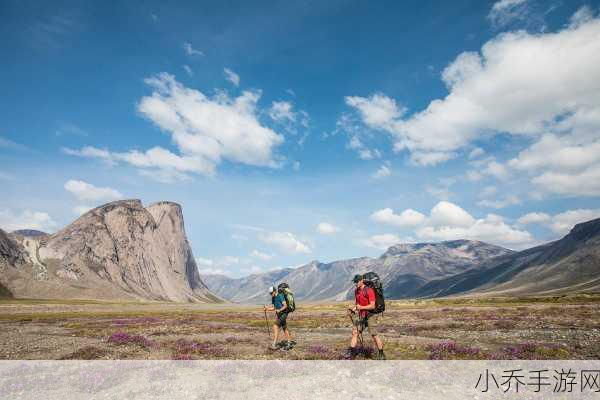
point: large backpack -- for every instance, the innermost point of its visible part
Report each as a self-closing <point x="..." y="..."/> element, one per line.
<point x="284" y="288"/>
<point x="372" y="280"/>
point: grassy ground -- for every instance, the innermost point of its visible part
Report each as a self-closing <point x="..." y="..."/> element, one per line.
<point x="566" y="327"/>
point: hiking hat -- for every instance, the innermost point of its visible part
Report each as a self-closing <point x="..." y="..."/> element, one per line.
<point x="272" y="289"/>
<point x="357" y="277"/>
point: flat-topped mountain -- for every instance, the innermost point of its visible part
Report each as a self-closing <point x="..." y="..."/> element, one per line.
<point x="120" y="250"/>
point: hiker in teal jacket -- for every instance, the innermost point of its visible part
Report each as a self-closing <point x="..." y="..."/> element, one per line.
<point x="279" y="305"/>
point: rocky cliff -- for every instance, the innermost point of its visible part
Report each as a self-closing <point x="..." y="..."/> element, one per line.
<point x="120" y="250"/>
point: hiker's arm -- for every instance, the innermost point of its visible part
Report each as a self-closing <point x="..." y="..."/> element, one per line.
<point x="371" y="306"/>
<point x="283" y="308"/>
<point x="269" y="308"/>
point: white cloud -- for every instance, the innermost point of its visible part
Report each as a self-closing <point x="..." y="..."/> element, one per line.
<point x="285" y="241"/>
<point x="407" y="218"/>
<point x="449" y="214"/>
<point x="567" y="165"/>
<point x="205" y="131"/>
<point x="506" y="201"/>
<point x="383" y="172"/>
<point x="213" y="271"/>
<point x="325" y="228"/>
<point x="534" y="218"/>
<point x="491" y="229"/>
<point x="230" y="260"/>
<point x="376" y="111"/>
<point x="382" y="242"/>
<point x="84" y="191"/>
<point x="27" y="219"/>
<point x="519" y="84"/>
<point x="232" y="76"/>
<point x="364" y="153"/>
<point x="260" y="255"/>
<point x="190" y="51"/>
<point x="583" y="15"/>
<point x="448" y="221"/>
<point x="71" y="129"/>
<point x="80" y="210"/>
<point x="282" y="111"/>
<point x="562" y="223"/>
<point x="476" y="153"/>
<point x="91" y="152"/>
<point x="204" y="261"/>
<point x="188" y="70"/>
<point x="505" y="11"/>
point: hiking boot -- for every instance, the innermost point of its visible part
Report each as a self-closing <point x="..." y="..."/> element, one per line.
<point x="292" y="342"/>
<point x="273" y="347"/>
<point x="380" y="355"/>
<point x="350" y="353"/>
<point x="287" y="346"/>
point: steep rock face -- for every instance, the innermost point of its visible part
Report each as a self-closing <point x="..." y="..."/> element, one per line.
<point x="571" y="264"/>
<point x="11" y="252"/>
<point x="118" y="250"/>
<point x="403" y="269"/>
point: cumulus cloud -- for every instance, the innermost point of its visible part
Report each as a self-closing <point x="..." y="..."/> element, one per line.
<point x="205" y="131"/>
<point x="519" y="84"/>
<point x="448" y="221"/>
<point x="84" y="191"/>
<point x="285" y="241"/>
<point x="407" y="218"/>
<point x="325" y="228"/>
<point x="27" y="219"/>
<point x="560" y="223"/>
<point x="534" y="218"/>
<point x="232" y="76"/>
<point x="567" y="165"/>
<point x="376" y="111"/>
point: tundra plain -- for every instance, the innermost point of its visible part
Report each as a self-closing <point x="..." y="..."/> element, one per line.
<point x="561" y="327"/>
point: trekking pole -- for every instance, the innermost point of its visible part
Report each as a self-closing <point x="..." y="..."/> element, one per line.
<point x="360" y="338"/>
<point x="267" y="325"/>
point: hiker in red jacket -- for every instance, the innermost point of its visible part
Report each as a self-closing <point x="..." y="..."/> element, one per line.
<point x="364" y="302"/>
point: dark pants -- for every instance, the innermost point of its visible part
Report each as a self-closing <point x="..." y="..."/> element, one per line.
<point x="282" y="320"/>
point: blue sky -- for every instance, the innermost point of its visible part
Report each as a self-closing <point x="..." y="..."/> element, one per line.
<point x="292" y="131"/>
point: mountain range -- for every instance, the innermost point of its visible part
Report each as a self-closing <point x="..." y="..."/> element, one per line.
<point x="123" y="250"/>
<point x="424" y="270"/>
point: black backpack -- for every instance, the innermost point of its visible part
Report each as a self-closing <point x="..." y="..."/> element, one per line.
<point x="372" y="280"/>
<point x="284" y="288"/>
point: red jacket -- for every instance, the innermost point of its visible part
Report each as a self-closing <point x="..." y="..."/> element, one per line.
<point x="364" y="297"/>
